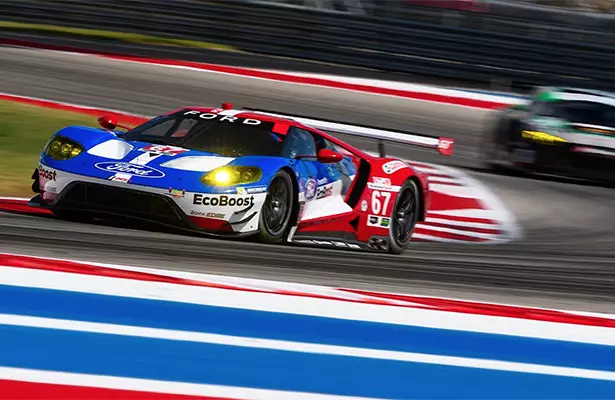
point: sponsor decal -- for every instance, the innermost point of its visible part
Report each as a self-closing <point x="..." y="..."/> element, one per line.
<point x="214" y="215"/>
<point x="382" y="181"/>
<point x="120" y="178"/>
<point x="364" y="205"/>
<point x="251" y="190"/>
<point x="324" y="191"/>
<point x="323" y="181"/>
<point x="310" y="189"/>
<point x="46" y="173"/>
<point x="160" y="149"/>
<point x="227" y="118"/>
<point x="142" y="171"/>
<point x="222" y="201"/>
<point x="377" y="186"/>
<point x="393" y="166"/>
<point x="178" y="194"/>
<point x="445" y="146"/>
<point x="378" y="222"/>
<point x="335" y="243"/>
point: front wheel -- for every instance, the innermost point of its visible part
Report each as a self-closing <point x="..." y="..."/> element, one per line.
<point x="274" y="222"/>
<point x="404" y="217"/>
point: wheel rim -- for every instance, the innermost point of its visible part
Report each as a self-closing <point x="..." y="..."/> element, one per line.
<point x="404" y="216"/>
<point x="276" y="207"/>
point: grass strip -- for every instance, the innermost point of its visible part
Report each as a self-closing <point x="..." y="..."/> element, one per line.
<point x="135" y="38"/>
<point x="24" y="130"/>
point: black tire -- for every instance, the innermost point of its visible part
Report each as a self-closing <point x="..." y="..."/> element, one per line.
<point x="404" y="217"/>
<point x="73" y="216"/>
<point x="488" y="147"/>
<point x="275" y="218"/>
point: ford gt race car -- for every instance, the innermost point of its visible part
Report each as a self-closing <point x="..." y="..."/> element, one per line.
<point x="238" y="173"/>
<point x="560" y="131"/>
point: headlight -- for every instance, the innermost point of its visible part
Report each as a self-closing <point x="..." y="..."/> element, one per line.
<point x="542" y="137"/>
<point x="61" y="148"/>
<point x="229" y="176"/>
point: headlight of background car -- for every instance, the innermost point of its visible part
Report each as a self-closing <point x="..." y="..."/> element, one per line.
<point x="61" y="148"/>
<point x="228" y="176"/>
<point x="542" y="137"/>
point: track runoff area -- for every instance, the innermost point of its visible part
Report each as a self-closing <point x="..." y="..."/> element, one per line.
<point x="127" y="332"/>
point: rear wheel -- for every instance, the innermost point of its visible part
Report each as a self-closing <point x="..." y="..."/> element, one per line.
<point x="276" y="213"/>
<point x="404" y="217"/>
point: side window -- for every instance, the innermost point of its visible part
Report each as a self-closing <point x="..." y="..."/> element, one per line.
<point x="299" y="143"/>
<point x="160" y="129"/>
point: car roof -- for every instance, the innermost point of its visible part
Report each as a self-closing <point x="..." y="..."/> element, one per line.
<point x="281" y="124"/>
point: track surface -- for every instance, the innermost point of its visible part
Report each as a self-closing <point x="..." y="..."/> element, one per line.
<point x="564" y="260"/>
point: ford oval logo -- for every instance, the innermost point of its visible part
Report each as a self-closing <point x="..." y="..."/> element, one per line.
<point x="142" y="171"/>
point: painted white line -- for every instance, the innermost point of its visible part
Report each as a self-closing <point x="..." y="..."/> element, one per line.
<point x="16" y="198"/>
<point x="304" y="306"/>
<point x="166" y="387"/>
<point x="299" y="347"/>
<point x="281" y="285"/>
<point x="460" y="223"/>
<point x="479" y="235"/>
<point x="439" y="179"/>
<point x="466" y="213"/>
<point x="409" y="87"/>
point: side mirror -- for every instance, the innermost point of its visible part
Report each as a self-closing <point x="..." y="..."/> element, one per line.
<point x="108" y="122"/>
<point x="327" y="156"/>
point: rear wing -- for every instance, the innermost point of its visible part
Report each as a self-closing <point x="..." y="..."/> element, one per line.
<point x="443" y="145"/>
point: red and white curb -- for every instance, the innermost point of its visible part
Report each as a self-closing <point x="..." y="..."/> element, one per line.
<point x="463" y="210"/>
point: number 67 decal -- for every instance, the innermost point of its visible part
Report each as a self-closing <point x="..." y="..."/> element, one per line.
<point x="380" y="202"/>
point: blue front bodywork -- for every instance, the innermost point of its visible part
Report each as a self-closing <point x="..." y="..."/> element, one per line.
<point x="85" y="164"/>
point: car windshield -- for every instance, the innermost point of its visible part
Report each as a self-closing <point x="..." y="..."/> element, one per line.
<point x="219" y="134"/>
<point x="584" y="112"/>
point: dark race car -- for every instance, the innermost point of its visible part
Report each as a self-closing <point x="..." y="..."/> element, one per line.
<point x="559" y="131"/>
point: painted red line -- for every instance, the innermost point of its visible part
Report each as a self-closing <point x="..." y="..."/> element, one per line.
<point x="21" y="206"/>
<point x="470" y="307"/>
<point x="35" y="390"/>
<point x="281" y="77"/>
<point x="442" y="201"/>
<point x="126" y="118"/>
<point x="28" y="262"/>
<point x="450" y="235"/>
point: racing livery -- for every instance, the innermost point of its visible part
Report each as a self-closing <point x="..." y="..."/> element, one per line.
<point x="560" y="131"/>
<point x="238" y="172"/>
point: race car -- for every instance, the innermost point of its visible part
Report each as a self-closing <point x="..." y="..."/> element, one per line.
<point x="559" y="131"/>
<point x="238" y="173"/>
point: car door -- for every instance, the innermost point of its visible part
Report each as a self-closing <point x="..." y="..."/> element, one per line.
<point x="321" y="184"/>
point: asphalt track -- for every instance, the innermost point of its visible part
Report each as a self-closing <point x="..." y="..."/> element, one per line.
<point x="565" y="258"/>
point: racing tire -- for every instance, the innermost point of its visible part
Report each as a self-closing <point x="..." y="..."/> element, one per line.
<point x="274" y="223"/>
<point x="404" y="217"/>
<point x="73" y="216"/>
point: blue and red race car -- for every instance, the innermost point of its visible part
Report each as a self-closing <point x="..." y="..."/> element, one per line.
<point x="239" y="172"/>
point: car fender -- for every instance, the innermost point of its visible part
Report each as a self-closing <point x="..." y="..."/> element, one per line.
<point x="386" y="178"/>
